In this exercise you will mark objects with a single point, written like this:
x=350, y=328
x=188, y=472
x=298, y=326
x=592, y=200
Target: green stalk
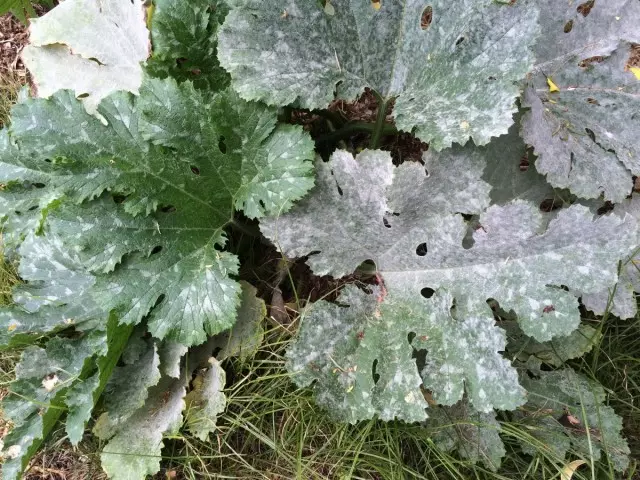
x=378, y=128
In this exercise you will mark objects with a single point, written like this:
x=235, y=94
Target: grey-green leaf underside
x=453, y=79
x=92, y=48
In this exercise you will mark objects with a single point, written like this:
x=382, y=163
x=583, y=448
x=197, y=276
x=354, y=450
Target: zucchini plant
x=127, y=166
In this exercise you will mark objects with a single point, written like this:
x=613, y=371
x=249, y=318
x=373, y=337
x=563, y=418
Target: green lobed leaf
x=621, y=301
x=184, y=37
x=475, y=436
x=91, y=48
x=554, y=352
x=553, y=396
x=585, y=134
x=365, y=209
x=452, y=79
x=183, y=164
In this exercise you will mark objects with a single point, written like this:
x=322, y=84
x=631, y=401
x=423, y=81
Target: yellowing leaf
x=552, y=86
x=328, y=9
x=376, y=5
x=635, y=71
x=568, y=471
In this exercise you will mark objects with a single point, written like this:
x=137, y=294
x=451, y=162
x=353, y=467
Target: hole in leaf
x=222, y=146
x=156, y=249
x=421, y=250
x=195, y=170
x=48, y=160
x=593, y=101
x=95, y=60
x=550, y=204
x=159, y=300
x=118, y=199
x=585, y=8
x=376, y=375
x=410, y=337
x=606, y=208
x=426, y=18
x=427, y=292
x=262, y=205
x=492, y=79
x=31, y=209
x=459, y=41
x=339, y=190
x=386, y=222
x=39, y=185
x=568, y=26
x=588, y=61
x=83, y=95
x=590, y=133
x=167, y=208
x=180, y=61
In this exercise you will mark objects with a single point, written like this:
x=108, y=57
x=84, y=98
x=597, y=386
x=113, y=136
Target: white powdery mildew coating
x=364, y=209
x=453, y=79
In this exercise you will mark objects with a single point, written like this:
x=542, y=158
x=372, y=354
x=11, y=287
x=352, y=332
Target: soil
x=13, y=38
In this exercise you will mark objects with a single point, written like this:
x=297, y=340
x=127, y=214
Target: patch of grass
x=272, y=430
x=10, y=85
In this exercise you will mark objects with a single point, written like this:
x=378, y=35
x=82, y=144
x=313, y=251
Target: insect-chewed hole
x=568, y=26
x=386, y=222
x=459, y=41
x=159, y=300
x=427, y=292
x=95, y=60
x=83, y=95
x=410, y=337
x=222, y=145
x=48, y=160
x=167, y=208
x=195, y=170
x=585, y=8
x=593, y=101
x=426, y=18
x=374, y=367
x=156, y=249
x=421, y=250
x=180, y=61
x=39, y=185
x=590, y=133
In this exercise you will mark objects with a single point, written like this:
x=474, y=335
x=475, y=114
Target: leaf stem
x=378, y=128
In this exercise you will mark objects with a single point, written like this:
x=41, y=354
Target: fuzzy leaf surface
x=453, y=79
x=206, y=400
x=585, y=133
x=185, y=161
x=184, y=37
x=90, y=47
x=623, y=300
x=475, y=436
x=518, y=258
x=553, y=396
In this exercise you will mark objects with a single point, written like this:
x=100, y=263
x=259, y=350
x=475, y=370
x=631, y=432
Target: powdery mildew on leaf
x=42, y=377
x=79, y=400
x=623, y=300
x=228, y=155
x=127, y=391
x=586, y=134
x=518, y=258
x=135, y=450
x=554, y=395
x=89, y=46
x=184, y=37
x=475, y=436
x=453, y=78
x=206, y=400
